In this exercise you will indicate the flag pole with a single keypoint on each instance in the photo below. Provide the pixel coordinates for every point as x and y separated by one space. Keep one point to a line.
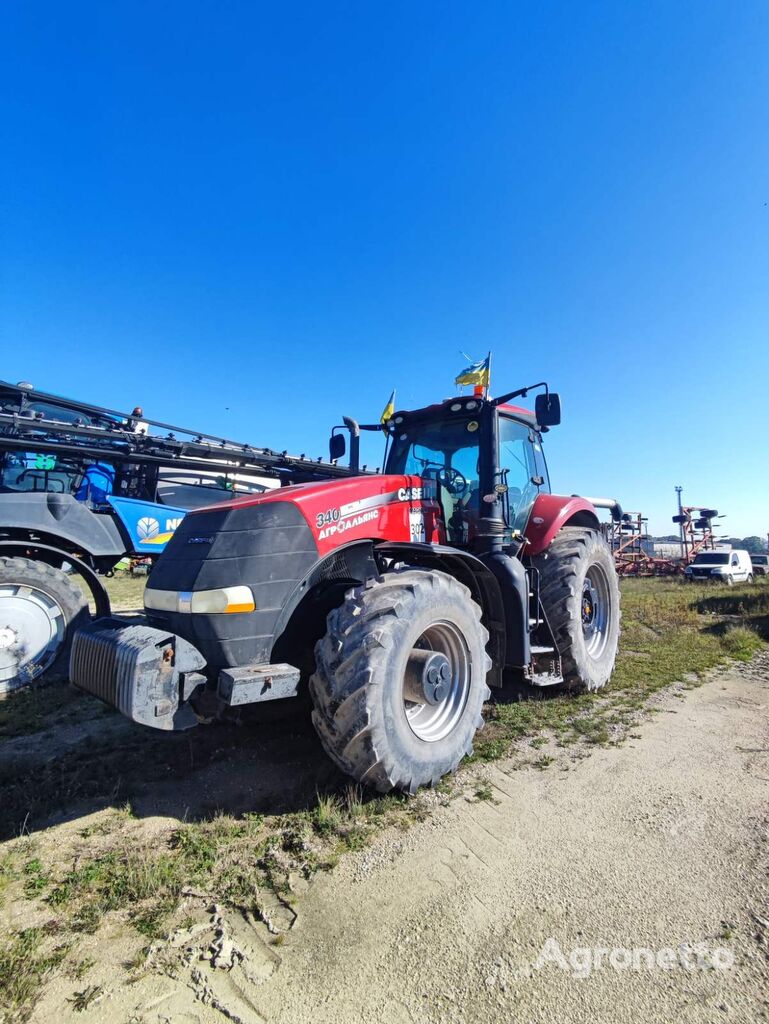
488 387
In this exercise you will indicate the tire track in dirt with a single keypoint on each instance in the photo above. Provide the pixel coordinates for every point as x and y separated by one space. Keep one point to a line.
652 844
660 842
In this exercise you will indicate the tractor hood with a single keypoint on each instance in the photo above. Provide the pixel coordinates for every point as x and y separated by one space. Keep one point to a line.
273 544
340 511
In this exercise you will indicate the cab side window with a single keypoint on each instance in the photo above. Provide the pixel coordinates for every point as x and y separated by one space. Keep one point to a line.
735 560
518 465
539 462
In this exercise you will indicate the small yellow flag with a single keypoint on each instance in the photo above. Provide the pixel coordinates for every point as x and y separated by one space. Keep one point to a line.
388 410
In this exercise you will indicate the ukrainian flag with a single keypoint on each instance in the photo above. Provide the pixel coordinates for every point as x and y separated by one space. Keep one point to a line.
476 373
388 410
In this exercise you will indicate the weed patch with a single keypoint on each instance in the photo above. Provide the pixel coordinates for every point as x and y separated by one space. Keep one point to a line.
26 957
741 642
671 630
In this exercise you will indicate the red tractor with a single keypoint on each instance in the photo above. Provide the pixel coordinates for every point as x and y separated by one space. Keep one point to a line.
395 600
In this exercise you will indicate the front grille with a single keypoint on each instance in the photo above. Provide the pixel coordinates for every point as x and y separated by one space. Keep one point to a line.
337 567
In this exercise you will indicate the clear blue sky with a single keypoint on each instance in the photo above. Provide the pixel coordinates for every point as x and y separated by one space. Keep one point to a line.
253 218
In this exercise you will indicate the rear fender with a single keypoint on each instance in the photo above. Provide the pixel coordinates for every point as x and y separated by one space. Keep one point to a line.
550 513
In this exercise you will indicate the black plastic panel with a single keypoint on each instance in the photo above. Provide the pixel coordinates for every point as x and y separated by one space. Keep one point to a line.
269 548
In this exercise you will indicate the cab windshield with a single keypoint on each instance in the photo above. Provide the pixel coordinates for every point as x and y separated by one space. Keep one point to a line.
446 451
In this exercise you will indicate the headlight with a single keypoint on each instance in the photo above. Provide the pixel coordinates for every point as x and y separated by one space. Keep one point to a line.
222 601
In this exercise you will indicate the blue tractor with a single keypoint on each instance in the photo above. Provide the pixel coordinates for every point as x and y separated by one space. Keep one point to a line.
82 488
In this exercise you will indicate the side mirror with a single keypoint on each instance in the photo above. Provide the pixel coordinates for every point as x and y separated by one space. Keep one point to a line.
547 409
337 446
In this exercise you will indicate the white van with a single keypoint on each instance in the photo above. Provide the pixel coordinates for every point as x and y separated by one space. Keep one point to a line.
724 566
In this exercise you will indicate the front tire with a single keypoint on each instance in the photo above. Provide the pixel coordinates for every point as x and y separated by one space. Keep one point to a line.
580 594
400 680
40 608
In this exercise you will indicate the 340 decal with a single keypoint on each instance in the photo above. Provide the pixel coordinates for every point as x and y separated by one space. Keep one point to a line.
326 518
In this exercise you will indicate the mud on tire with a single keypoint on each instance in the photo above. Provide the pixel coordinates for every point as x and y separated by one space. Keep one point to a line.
365 725
580 594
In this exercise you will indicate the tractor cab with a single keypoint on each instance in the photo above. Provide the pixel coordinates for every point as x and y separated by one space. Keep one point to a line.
485 457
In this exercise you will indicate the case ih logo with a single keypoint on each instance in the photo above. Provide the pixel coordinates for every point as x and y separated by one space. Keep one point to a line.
147 527
416 493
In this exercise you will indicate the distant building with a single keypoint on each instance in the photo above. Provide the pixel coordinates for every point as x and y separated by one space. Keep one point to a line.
666 549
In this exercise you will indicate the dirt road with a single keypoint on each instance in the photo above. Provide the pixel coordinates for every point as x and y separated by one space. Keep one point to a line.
660 844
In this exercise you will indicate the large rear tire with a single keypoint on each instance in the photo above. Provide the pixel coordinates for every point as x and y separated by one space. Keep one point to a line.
580 594
400 680
40 608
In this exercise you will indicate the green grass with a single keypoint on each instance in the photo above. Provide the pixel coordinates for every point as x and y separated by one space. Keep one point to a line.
26 957
741 642
30 709
36 878
117 880
235 860
670 631
124 591
9 872
543 762
328 814
82 1000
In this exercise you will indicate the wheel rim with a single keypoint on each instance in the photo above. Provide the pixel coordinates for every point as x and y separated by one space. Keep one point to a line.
433 722
32 628
596 609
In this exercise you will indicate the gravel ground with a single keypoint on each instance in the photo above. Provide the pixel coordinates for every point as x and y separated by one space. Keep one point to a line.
661 844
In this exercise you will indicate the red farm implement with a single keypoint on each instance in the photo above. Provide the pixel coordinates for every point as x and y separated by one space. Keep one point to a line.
697 534
634 552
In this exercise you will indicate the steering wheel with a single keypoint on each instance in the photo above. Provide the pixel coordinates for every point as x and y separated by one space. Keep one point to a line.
452 480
